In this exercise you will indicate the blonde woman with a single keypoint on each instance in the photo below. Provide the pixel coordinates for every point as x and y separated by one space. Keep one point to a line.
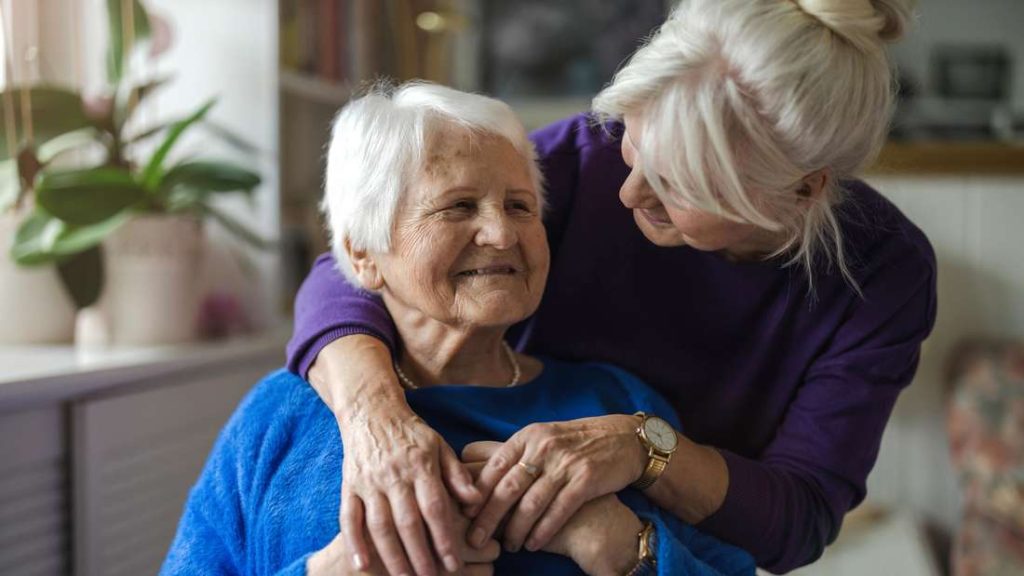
708 233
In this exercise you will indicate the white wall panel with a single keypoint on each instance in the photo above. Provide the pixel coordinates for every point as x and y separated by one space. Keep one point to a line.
135 458
976 226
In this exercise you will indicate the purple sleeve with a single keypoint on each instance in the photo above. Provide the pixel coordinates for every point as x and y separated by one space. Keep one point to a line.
327 307
785 506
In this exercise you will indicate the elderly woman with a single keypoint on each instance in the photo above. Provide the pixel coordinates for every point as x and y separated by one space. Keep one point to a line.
708 234
434 201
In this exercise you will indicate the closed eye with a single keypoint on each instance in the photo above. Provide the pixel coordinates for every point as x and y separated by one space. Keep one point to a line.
519 206
463 205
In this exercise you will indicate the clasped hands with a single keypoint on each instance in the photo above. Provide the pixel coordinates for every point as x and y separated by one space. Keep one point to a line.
411 506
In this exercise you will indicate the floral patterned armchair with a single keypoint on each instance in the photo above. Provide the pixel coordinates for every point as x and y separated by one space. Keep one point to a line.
985 422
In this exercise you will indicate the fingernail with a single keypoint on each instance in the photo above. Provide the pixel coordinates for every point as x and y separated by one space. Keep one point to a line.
531 545
511 548
450 563
359 562
478 537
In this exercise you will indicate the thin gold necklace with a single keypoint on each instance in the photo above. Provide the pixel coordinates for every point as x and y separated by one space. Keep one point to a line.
516 371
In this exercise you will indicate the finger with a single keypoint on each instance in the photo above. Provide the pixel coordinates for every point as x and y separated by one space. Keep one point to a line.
529 510
565 505
438 512
508 491
385 537
352 524
482 450
480 570
497 468
474 468
457 478
406 512
489 553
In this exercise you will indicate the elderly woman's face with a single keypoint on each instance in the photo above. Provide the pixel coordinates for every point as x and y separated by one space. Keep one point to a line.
468 246
667 225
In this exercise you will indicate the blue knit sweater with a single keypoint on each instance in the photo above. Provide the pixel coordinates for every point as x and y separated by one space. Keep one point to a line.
268 497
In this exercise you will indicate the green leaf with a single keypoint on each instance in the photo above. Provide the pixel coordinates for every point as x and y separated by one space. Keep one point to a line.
90 196
118 51
230 138
153 171
208 177
44 239
55 111
75 239
236 227
82 276
125 105
33 242
148 133
69 142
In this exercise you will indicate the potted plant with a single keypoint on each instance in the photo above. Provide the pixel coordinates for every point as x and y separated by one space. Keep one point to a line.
124 227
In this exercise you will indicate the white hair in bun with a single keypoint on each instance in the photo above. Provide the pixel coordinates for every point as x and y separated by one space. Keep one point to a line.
862 22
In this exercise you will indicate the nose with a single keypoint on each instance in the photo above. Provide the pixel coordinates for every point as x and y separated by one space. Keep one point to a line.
636 192
496 230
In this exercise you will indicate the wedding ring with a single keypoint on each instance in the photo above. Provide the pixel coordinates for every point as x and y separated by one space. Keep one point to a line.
530 469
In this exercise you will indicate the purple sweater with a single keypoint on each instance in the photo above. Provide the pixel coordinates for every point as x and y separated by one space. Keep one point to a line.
794 391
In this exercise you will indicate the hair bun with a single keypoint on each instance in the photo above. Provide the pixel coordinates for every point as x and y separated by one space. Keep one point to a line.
864 23
897 15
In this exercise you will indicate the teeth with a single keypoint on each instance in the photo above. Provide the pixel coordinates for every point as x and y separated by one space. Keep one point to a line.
490 271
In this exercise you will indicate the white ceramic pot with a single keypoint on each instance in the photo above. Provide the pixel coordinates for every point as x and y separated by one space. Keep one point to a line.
151 286
34 307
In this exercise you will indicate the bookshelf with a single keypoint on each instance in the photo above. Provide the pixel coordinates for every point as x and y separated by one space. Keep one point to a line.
328 50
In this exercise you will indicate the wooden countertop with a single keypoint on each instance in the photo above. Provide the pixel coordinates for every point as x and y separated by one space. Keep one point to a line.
950 157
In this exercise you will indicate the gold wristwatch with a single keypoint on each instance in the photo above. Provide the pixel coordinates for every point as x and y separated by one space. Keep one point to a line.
659 439
646 555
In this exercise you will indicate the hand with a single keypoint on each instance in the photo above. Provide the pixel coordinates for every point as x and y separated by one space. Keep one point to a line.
601 537
578 461
398 476
398 472
332 559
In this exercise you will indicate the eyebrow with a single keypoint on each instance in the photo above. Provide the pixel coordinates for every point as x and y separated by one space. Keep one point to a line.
457 189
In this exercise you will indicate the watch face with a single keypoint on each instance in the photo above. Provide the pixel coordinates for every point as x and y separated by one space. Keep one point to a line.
661 434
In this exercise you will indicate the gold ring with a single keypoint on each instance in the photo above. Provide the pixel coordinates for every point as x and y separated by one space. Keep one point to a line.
530 469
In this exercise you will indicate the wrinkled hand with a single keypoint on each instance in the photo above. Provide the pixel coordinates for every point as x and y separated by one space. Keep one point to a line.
331 560
578 461
601 537
400 478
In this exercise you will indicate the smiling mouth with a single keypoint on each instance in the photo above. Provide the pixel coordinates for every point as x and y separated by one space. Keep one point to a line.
489 271
655 218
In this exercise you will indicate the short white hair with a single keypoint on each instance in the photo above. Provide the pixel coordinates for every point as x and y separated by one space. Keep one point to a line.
378 145
742 99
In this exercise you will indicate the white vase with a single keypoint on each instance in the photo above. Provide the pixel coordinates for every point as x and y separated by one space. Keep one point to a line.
151 286
34 307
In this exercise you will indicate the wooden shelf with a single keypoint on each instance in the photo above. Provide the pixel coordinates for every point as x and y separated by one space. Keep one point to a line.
931 158
314 89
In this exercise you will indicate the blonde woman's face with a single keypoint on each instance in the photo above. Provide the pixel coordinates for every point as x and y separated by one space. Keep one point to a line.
668 225
468 247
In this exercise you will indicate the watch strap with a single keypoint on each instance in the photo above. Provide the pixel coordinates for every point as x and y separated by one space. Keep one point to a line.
655 466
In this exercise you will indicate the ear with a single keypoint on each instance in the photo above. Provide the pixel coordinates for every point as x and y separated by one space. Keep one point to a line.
813 185
365 268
